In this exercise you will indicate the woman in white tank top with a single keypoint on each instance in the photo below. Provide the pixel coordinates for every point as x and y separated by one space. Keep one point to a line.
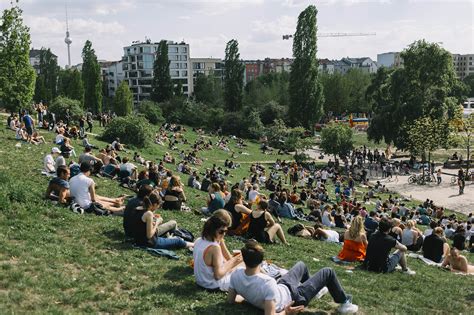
213 263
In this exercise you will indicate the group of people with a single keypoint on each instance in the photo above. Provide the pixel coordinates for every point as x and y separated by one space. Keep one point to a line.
243 210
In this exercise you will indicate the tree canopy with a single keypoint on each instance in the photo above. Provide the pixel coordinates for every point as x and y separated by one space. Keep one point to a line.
17 76
306 89
234 77
162 86
91 79
70 85
123 100
336 139
46 88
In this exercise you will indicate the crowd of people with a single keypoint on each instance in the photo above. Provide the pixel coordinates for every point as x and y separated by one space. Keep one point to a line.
325 203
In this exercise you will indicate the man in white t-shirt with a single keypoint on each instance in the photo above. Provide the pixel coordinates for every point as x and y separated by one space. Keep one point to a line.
253 194
324 176
49 163
82 189
293 291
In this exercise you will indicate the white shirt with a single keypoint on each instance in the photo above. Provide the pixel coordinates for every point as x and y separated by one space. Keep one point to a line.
428 232
257 289
324 174
19 133
79 188
49 165
333 236
59 139
60 160
253 195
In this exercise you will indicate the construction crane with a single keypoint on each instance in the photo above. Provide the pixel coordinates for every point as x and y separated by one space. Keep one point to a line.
287 37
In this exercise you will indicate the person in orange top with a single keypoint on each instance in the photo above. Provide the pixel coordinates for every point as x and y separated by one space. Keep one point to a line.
355 242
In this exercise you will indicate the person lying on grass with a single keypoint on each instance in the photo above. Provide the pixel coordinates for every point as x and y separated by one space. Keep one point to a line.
291 293
457 263
83 191
147 229
378 259
262 226
58 187
213 263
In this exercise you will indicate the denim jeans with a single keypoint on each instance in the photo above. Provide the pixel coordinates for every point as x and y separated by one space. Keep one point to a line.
304 288
168 243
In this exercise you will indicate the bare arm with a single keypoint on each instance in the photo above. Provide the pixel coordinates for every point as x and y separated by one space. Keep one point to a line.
92 192
401 247
269 307
221 269
63 195
150 226
224 250
242 209
269 219
363 238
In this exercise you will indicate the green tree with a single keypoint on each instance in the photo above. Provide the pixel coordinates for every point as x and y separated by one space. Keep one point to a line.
70 85
132 130
178 89
270 87
356 83
151 111
469 81
306 89
91 79
234 77
47 80
336 139
17 76
425 87
162 86
123 100
60 106
208 89
336 94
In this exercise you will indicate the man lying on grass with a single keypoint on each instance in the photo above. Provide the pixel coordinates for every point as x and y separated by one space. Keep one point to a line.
83 192
291 294
58 187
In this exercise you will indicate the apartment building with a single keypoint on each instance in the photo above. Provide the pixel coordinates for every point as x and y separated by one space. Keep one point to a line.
35 58
463 65
138 63
114 76
390 60
207 66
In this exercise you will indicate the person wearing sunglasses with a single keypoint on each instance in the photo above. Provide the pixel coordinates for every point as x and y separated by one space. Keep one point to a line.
213 263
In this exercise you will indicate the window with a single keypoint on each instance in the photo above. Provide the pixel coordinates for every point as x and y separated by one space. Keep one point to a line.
173 57
174 65
172 50
147 49
183 65
184 58
148 58
184 73
183 49
174 73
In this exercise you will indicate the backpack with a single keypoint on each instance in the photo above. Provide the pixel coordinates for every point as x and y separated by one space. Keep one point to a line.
184 234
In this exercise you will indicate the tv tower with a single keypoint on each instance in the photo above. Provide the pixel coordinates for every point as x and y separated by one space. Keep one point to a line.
68 42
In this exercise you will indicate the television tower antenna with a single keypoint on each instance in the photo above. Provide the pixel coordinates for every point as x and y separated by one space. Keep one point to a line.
68 41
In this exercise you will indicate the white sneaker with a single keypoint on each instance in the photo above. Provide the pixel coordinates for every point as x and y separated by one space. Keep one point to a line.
410 272
348 308
322 292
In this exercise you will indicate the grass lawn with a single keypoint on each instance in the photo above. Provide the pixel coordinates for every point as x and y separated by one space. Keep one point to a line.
55 261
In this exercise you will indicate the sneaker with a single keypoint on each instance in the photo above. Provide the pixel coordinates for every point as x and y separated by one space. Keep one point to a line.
410 272
322 292
347 307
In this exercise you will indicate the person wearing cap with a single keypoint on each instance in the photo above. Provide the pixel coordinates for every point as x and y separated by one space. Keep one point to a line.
83 191
49 163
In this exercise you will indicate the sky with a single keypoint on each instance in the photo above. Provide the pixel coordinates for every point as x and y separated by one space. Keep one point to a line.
258 25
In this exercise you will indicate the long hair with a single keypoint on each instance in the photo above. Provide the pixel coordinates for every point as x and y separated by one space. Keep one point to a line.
357 227
214 223
235 196
152 199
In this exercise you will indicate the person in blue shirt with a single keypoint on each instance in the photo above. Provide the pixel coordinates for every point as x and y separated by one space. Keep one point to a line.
29 125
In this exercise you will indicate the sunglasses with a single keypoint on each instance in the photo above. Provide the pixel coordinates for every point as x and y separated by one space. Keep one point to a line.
222 231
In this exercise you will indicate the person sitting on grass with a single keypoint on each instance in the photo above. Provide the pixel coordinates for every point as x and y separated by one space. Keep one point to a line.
457 263
380 244
49 164
435 247
174 196
291 293
412 237
147 227
286 209
86 143
213 263
128 170
88 157
20 133
262 226
83 191
58 187
239 213
132 204
37 139
355 242
214 199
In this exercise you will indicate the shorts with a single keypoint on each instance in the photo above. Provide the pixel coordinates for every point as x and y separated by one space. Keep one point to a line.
29 130
393 261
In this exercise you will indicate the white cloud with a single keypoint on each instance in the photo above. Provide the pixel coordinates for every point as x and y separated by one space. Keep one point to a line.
264 31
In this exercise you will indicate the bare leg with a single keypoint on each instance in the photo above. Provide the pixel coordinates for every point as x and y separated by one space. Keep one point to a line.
276 229
403 260
114 201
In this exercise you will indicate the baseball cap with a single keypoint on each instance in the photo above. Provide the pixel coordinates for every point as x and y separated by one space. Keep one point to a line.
55 150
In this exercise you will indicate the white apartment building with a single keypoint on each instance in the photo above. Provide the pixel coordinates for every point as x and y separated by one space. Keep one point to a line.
207 66
35 59
138 63
463 65
114 76
389 60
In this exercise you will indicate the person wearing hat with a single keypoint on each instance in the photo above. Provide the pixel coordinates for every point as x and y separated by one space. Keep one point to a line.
82 189
49 163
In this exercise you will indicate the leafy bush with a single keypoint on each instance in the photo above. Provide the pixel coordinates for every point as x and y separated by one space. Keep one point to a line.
271 111
132 130
151 111
61 104
232 123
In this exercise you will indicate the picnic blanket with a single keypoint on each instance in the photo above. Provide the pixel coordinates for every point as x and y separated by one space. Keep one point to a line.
425 260
159 252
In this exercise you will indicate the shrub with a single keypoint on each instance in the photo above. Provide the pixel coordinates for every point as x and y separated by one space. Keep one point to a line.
151 111
61 104
232 123
271 111
132 130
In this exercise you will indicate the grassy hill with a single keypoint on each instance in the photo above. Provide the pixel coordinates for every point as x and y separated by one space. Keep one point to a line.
55 261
